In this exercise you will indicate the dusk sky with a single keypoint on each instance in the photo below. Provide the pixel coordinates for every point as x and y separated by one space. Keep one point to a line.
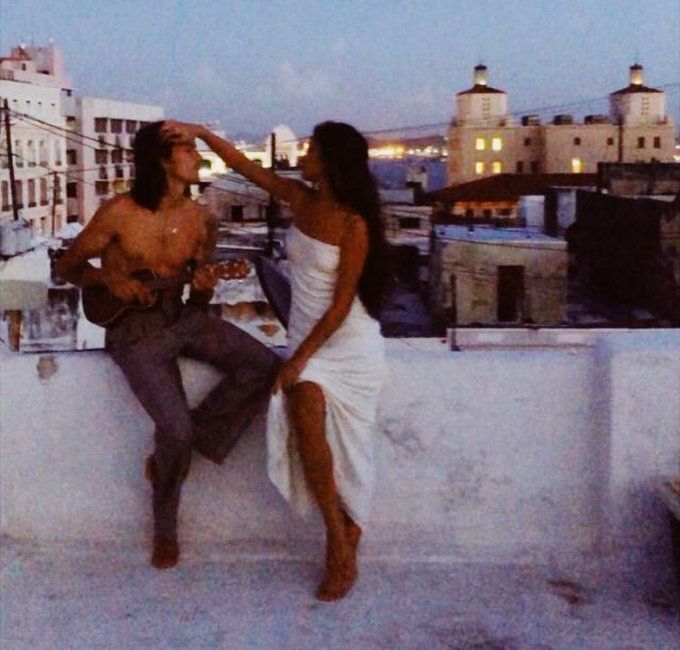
375 63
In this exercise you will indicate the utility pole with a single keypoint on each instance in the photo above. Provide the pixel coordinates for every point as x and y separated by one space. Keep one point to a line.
272 208
10 159
55 197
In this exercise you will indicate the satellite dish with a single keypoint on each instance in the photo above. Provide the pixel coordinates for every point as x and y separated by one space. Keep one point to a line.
276 287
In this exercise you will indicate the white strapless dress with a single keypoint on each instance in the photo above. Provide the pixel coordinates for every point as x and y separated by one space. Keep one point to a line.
349 368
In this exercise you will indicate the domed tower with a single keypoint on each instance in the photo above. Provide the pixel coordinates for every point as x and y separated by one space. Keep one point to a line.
286 145
481 103
637 104
479 137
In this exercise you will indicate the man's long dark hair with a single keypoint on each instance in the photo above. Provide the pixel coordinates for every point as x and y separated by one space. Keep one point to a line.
151 184
344 155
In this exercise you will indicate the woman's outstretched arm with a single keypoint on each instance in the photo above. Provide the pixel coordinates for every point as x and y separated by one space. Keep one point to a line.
286 189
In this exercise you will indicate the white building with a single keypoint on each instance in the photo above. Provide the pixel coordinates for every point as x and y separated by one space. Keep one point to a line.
211 164
100 164
32 81
62 177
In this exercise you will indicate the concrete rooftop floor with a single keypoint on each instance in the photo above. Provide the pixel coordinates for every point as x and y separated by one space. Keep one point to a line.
236 597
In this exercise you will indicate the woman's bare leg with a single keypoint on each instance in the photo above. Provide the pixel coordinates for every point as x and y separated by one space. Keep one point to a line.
307 411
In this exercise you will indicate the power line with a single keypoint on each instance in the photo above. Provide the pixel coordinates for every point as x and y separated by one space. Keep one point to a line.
71 136
69 131
550 108
51 170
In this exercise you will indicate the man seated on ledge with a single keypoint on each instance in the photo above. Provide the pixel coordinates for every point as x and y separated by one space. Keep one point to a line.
159 228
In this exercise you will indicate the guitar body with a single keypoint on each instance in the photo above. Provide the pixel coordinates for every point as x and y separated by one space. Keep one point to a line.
102 308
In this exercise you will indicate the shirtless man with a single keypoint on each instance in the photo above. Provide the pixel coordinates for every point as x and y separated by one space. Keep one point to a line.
158 227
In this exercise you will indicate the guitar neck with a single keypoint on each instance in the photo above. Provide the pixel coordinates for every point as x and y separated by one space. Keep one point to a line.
226 270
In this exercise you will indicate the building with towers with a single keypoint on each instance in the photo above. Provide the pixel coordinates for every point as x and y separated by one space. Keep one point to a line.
484 138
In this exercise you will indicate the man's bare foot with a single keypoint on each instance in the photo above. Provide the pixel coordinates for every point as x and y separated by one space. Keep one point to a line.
165 552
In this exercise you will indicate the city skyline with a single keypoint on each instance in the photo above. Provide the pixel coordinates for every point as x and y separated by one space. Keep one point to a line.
252 65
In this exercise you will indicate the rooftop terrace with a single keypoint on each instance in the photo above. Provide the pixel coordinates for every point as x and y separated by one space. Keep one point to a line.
515 508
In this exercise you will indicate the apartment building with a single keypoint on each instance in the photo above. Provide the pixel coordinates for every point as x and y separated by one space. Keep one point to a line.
32 81
100 159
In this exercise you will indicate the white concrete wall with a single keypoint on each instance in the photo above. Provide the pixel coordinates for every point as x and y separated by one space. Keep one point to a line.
496 455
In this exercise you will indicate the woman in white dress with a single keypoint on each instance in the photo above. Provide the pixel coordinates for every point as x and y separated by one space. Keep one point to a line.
320 426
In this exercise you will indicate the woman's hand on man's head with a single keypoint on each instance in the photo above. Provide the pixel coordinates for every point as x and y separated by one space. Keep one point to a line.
179 131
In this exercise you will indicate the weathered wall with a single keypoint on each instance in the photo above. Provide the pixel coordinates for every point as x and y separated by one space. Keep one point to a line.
475 267
519 455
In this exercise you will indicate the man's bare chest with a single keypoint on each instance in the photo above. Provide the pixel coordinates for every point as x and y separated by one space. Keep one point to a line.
160 242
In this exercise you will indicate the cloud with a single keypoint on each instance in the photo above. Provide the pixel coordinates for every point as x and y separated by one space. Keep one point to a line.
302 84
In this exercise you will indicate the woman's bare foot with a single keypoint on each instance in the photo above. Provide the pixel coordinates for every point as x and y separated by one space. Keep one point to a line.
165 552
352 534
341 570
338 581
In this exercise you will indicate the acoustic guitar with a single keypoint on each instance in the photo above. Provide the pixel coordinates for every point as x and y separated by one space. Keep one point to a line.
103 308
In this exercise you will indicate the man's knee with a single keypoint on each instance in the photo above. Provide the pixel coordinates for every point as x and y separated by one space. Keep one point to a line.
175 433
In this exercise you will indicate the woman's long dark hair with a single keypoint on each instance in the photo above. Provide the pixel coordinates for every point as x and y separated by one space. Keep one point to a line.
344 155
151 184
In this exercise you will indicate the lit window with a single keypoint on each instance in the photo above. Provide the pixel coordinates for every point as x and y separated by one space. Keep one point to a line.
496 167
496 144
479 167
576 165
480 144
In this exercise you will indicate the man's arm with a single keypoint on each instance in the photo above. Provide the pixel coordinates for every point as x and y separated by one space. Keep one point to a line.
74 265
